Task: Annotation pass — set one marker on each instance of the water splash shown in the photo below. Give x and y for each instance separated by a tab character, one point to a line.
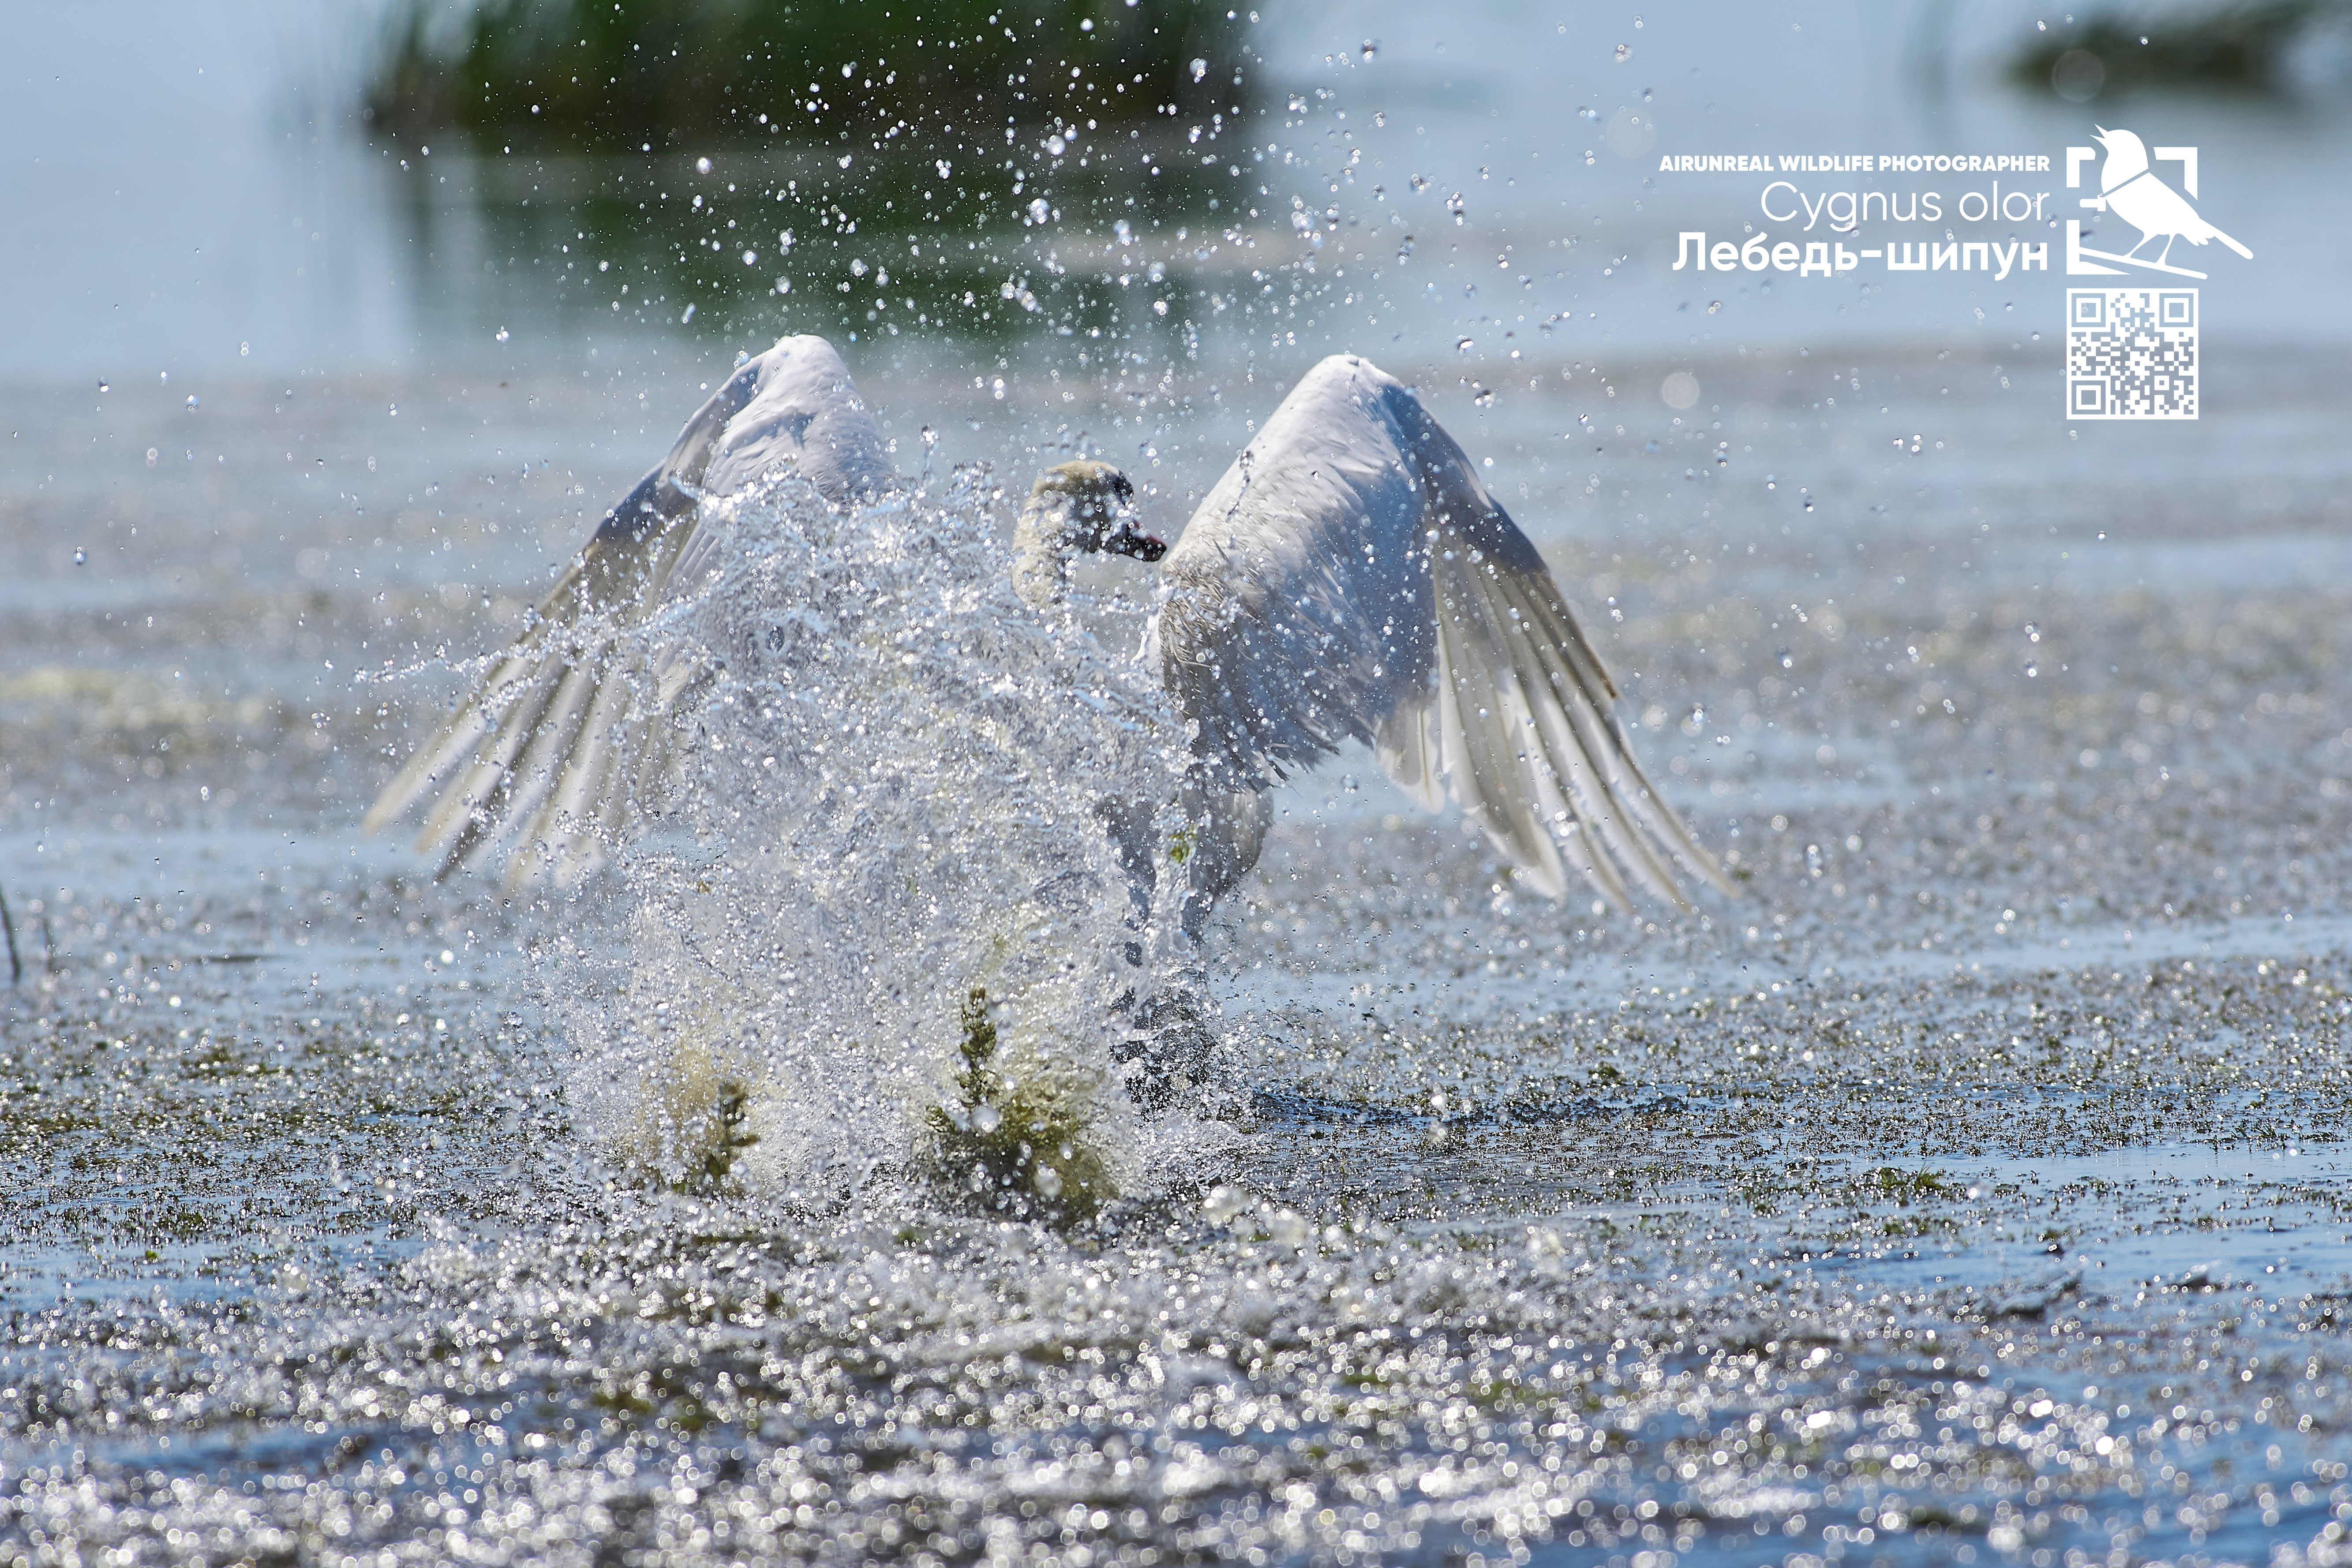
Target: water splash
887	789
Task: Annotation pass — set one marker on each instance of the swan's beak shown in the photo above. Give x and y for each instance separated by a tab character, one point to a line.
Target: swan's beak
1126	539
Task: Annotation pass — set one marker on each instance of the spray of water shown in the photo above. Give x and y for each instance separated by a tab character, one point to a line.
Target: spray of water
878	938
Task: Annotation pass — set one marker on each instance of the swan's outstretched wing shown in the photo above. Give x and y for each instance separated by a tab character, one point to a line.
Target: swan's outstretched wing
546	754
1350	578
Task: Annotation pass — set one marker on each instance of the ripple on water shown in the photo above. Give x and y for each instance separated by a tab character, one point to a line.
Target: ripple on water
1546	1231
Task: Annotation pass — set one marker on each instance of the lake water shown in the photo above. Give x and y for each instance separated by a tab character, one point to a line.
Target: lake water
1971	1188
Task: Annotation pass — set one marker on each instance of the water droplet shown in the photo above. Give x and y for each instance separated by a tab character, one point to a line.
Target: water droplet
104	387
1713	306
503	334
192	403
1055	145
81	557
702	166
1486	396
1462	345
1200	70
1038	210
1624	53
1369	48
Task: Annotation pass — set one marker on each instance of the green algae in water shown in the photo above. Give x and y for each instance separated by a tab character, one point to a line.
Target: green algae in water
1018	1148
726	1134
1903	1186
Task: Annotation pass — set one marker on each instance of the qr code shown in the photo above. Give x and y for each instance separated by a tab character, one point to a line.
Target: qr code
2131	353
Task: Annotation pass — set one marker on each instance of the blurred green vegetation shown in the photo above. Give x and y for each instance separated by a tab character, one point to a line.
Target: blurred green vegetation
639	74
2245	48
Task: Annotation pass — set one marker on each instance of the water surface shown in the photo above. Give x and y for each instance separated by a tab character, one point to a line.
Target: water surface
1969	1188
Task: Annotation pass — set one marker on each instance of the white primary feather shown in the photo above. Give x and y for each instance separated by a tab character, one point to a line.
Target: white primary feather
545	757
1350	578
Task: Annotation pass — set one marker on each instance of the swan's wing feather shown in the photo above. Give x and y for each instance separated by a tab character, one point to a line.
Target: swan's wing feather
804	418
1350	577
1295	615
1413	753
618	563
543	757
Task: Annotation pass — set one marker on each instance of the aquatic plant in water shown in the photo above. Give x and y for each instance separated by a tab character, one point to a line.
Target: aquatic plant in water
588	73
1015	1146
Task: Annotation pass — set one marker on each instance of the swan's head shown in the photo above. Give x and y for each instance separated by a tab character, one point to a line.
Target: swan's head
1089	507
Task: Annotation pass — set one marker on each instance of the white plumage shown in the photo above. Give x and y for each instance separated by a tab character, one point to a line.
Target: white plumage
547	755
1348	579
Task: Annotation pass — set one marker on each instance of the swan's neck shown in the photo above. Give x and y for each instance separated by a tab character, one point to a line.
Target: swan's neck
1041	555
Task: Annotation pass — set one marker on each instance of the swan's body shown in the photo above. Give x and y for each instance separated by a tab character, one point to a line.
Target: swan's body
1348	579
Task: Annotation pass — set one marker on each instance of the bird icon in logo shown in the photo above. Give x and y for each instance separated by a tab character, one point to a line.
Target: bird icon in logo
2131	190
